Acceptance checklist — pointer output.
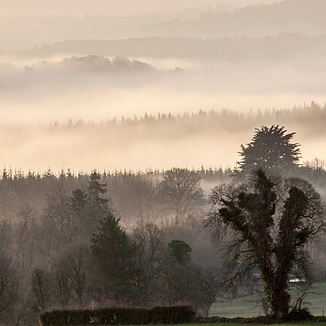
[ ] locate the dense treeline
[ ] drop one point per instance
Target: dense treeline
(63, 234)
(121, 238)
(306, 117)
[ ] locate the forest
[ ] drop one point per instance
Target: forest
(58, 230)
(138, 160)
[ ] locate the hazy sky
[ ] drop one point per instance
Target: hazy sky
(37, 89)
(107, 7)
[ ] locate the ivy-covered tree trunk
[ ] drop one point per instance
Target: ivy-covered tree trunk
(272, 222)
(280, 298)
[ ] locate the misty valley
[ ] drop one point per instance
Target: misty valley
(162, 162)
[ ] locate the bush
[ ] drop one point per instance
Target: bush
(65, 317)
(172, 315)
(119, 316)
(299, 315)
(116, 316)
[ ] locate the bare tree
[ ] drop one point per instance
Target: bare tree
(180, 192)
(78, 262)
(61, 281)
(41, 284)
(134, 197)
(25, 239)
(9, 279)
(149, 259)
(56, 221)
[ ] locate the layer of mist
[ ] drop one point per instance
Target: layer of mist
(161, 142)
(95, 67)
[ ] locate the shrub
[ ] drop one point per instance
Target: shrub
(119, 316)
(172, 315)
(299, 315)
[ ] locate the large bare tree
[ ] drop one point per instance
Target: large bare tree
(181, 192)
(272, 220)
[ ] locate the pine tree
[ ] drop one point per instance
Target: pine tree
(115, 255)
(271, 150)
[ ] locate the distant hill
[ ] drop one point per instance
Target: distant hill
(238, 49)
(289, 16)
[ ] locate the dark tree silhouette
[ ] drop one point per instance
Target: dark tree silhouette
(180, 251)
(9, 283)
(96, 190)
(270, 149)
(41, 287)
(115, 255)
(272, 220)
(88, 208)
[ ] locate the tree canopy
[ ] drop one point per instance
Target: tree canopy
(272, 220)
(270, 149)
(180, 190)
(115, 254)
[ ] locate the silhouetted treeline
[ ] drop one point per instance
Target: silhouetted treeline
(308, 119)
(57, 232)
(90, 240)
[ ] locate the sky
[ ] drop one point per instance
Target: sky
(39, 88)
(107, 7)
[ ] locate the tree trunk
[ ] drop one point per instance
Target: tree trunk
(280, 300)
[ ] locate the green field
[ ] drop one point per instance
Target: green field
(244, 324)
(239, 324)
(315, 301)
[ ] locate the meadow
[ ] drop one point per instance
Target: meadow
(250, 306)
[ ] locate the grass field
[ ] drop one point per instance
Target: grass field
(250, 306)
(243, 324)
(239, 324)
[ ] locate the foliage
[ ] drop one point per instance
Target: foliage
(96, 205)
(115, 255)
(119, 316)
(180, 251)
(270, 149)
(172, 315)
(185, 282)
(272, 222)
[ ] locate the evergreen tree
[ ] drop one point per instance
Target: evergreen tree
(180, 251)
(115, 255)
(271, 150)
(96, 190)
(88, 208)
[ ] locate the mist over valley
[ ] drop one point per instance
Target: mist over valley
(160, 154)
